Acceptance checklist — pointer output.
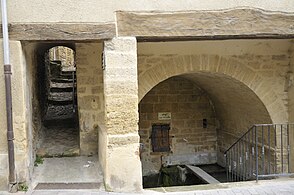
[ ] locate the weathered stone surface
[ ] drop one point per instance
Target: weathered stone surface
(121, 117)
(115, 176)
(90, 94)
(222, 24)
(123, 139)
(121, 98)
(235, 74)
(198, 158)
(290, 88)
(187, 135)
(61, 31)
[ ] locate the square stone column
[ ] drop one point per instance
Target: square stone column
(121, 164)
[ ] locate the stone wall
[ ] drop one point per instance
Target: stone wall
(90, 94)
(290, 83)
(188, 105)
(290, 89)
(64, 54)
(244, 79)
(32, 96)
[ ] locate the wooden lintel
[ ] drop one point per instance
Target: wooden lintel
(205, 25)
(61, 31)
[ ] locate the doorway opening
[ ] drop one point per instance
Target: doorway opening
(58, 102)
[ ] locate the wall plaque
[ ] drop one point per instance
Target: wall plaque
(164, 116)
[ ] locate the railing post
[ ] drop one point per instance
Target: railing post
(256, 154)
(227, 170)
(240, 156)
(73, 92)
(282, 150)
(269, 149)
(288, 148)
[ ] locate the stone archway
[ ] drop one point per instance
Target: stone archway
(241, 94)
(214, 64)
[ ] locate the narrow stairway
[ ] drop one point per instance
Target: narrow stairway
(60, 121)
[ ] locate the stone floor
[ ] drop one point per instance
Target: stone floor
(284, 186)
(59, 141)
(67, 170)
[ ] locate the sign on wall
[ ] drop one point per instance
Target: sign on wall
(164, 116)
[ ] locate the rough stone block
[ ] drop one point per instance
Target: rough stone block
(115, 177)
(121, 44)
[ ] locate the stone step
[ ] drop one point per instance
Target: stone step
(60, 96)
(68, 69)
(67, 122)
(59, 111)
(66, 186)
(57, 89)
(62, 80)
(59, 103)
(67, 74)
(60, 76)
(60, 85)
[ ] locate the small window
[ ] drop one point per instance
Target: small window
(160, 138)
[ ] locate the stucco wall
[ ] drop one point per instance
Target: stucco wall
(33, 109)
(90, 94)
(103, 11)
(188, 105)
(20, 123)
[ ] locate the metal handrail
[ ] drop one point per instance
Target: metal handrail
(262, 151)
(239, 139)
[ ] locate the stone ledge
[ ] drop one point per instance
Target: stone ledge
(124, 139)
(195, 158)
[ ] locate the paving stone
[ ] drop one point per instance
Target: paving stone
(59, 141)
(278, 187)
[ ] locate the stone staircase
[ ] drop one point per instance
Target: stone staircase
(61, 101)
(60, 135)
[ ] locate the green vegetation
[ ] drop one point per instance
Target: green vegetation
(39, 160)
(23, 187)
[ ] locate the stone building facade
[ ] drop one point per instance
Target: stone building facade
(214, 68)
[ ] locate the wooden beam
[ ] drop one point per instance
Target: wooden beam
(203, 25)
(61, 31)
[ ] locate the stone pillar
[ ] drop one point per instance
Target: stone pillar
(122, 168)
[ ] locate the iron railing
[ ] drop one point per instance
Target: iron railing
(262, 152)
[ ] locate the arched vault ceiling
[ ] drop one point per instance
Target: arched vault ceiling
(236, 106)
